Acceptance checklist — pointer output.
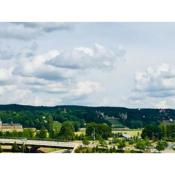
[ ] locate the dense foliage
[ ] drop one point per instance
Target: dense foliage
(97, 131)
(42, 117)
(158, 132)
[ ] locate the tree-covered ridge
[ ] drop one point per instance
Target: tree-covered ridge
(40, 116)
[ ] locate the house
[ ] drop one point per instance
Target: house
(4, 127)
(126, 136)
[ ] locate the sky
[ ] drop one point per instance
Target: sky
(93, 64)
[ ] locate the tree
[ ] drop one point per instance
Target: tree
(170, 131)
(142, 144)
(15, 147)
(77, 125)
(49, 123)
(1, 149)
(102, 142)
(153, 132)
(97, 131)
(54, 132)
(13, 134)
(23, 148)
(67, 131)
(85, 141)
(56, 126)
(161, 145)
(115, 140)
(42, 134)
(121, 144)
(28, 133)
(165, 130)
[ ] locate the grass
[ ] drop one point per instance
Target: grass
(130, 132)
(115, 123)
(81, 131)
(49, 150)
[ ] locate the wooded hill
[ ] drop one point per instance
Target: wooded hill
(38, 116)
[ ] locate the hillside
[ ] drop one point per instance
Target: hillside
(34, 116)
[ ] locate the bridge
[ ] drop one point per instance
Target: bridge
(38, 143)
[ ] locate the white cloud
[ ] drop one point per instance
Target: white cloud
(85, 88)
(45, 26)
(156, 82)
(37, 67)
(155, 86)
(36, 80)
(54, 77)
(53, 66)
(5, 76)
(6, 52)
(29, 30)
(95, 57)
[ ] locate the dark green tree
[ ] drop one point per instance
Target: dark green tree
(96, 131)
(1, 149)
(67, 131)
(28, 133)
(15, 147)
(161, 145)
(102, 142)
(23, 148)
(85, 141)
(42, 134)
(153, 132)
(49, 123)
(141, 144)
(121, 144)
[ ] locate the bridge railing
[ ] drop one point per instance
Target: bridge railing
(41, 139)
(38, 143)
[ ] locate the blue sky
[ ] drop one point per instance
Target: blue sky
(96, 64)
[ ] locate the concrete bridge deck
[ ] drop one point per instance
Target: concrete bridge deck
(38, 143)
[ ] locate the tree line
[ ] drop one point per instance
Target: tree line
(62, 131)
(164, 131)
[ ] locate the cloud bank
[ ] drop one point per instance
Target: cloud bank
(30, 30)
(156, 84)
(54, 77)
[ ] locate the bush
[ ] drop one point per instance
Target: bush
(1, 149)
(142, 144)
(161, 145)
(15, 148)
(85, 141)
(121, 144)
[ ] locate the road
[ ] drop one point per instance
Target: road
(39, 143)
(169, 148)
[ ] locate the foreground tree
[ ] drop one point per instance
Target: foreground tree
(121, 144)
(67, 131)
(97, 131)
(153, 132)
(42, 134)
(161, 145)
(85, 141)
(102, 142)
(142, 144)
(15, 147)
(1, 149)
(23, 148)
(28, 133)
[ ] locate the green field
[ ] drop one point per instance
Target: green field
(82, 131)
(49, 150)
(115, 123)
(130, 132)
